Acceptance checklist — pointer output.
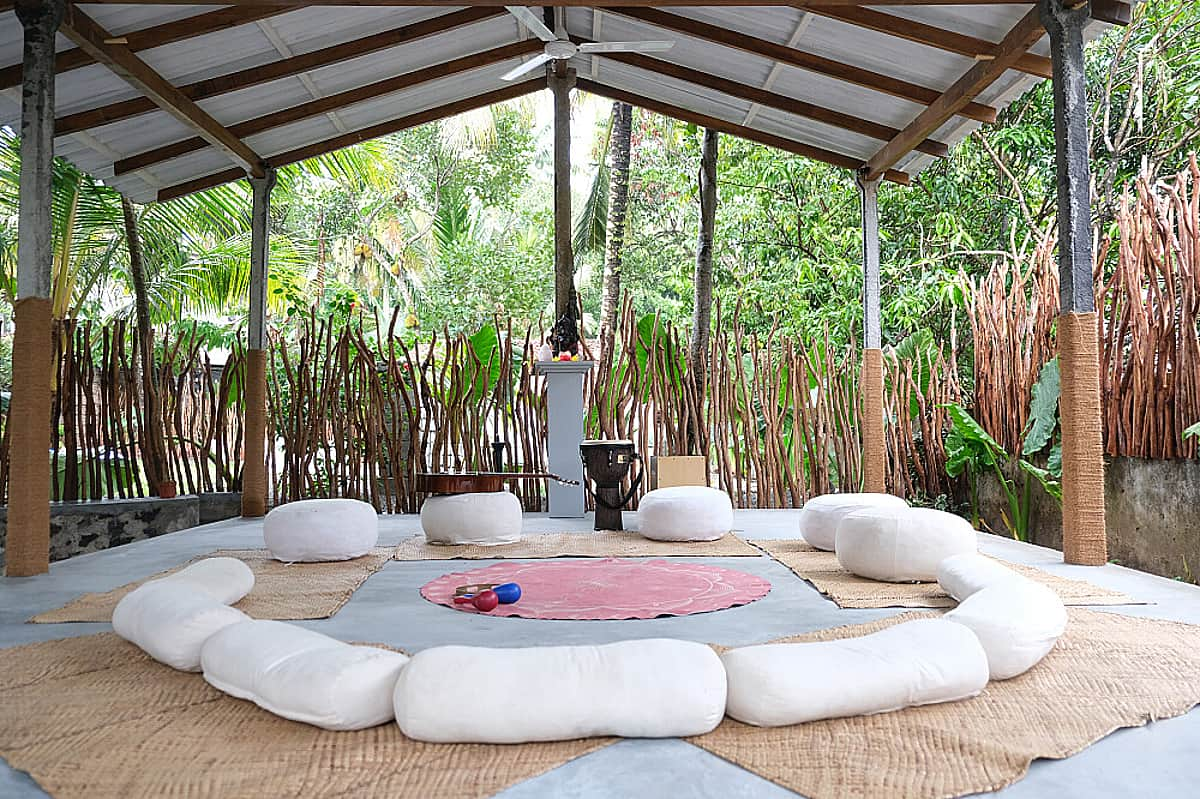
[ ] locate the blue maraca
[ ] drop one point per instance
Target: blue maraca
(508, 593)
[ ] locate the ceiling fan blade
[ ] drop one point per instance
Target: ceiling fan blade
(533, 22)
(625, 47)
(528, 66)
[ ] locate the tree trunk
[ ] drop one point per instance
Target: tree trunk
(618, 206)
(151, 445)
(702, 304)
(561, 82)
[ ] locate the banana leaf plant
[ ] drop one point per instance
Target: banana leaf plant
(970, 451)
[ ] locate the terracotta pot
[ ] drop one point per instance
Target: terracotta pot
(166, 489)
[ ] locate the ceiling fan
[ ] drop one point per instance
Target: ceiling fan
(560, 48)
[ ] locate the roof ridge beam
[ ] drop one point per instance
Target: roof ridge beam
(767, 98)
(364, 134)
(799, 58)
(333, 102)
(284, 68)
(732, 128)
(1022, 36)
(157, 36)
(89, 36)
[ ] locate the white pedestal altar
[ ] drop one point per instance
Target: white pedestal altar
(564, 432)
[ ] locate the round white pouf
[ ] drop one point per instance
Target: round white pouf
(820, 516)
(484, 519)
(685, 513)
(901, 544)
(313, 530)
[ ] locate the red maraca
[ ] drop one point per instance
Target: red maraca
(486, 600)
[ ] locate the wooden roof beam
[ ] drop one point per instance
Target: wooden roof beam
(624, 3)
(1023, 35)
(767, 98)
(157, 36)
(732, 128)
(334, 102)
(798, 58)
(284, 68)
(92, 39)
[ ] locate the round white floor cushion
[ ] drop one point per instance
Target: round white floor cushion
(484, 519)
(224, 579)
(654, 688)
(963, 575)
(1017, 622)
(820, 516)
(170, 620)
(314, 530)
(915, 663)
(685, 513)
(303, 675)
(901, 544)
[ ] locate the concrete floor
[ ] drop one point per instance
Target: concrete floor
(1162, 759)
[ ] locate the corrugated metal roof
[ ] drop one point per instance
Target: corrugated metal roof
(309, 29)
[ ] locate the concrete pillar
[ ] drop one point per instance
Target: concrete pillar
(254, 474)
(28, 545)
(1084, 537)
(561, 80)
(564, 433)
(871, 379)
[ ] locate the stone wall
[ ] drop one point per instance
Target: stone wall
(79, 527)
(1153, 515)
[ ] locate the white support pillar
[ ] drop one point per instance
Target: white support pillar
(874, 450)
(28, 544)
(254, 471)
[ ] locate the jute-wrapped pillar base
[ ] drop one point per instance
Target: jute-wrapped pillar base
(874, 443)
(28, 547)
(254, 472)
(1084, 538)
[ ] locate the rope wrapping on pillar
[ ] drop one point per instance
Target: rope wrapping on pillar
(1084, 535)
(874, 441)
(254, 473)
(28, 546)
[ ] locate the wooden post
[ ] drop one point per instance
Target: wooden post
(561, 81)
(1084, 534)
(254, 478)
(871, 378)
(28, 544)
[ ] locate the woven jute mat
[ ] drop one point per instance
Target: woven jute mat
(606, 544)
(94, 718)
(851, 591)
(281, 590)
(1107, 672)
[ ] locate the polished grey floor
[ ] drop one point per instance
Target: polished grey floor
(1161, 760)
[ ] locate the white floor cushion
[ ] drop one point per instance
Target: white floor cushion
(170, 620)
(685, 513)
(1017, 622)
(901, 544)
(303, 675)
(487, 518)
(314, 530)
(820, 516)
(963, 575)
(915, 663)
(655, 688)
(226, 580)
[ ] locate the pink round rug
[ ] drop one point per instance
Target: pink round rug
(611, 588)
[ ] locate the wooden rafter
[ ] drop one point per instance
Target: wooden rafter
(93, 39)
(334, 102)
(1116, 13)
(767, 98)
(930, 35)
(283, 68)
(732, 128)
(798, 58)
(1023, 35)
(157, 36)
(358, 136)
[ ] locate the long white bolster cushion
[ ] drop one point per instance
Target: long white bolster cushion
(963, 575)
(654, 688)
(820, 516)
(486, 518)
(685, 513)
(915, 663)
(224, 579)
(1017, 622)
(303, 675)
(901, 544)
(314, 530)
(170, 620)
